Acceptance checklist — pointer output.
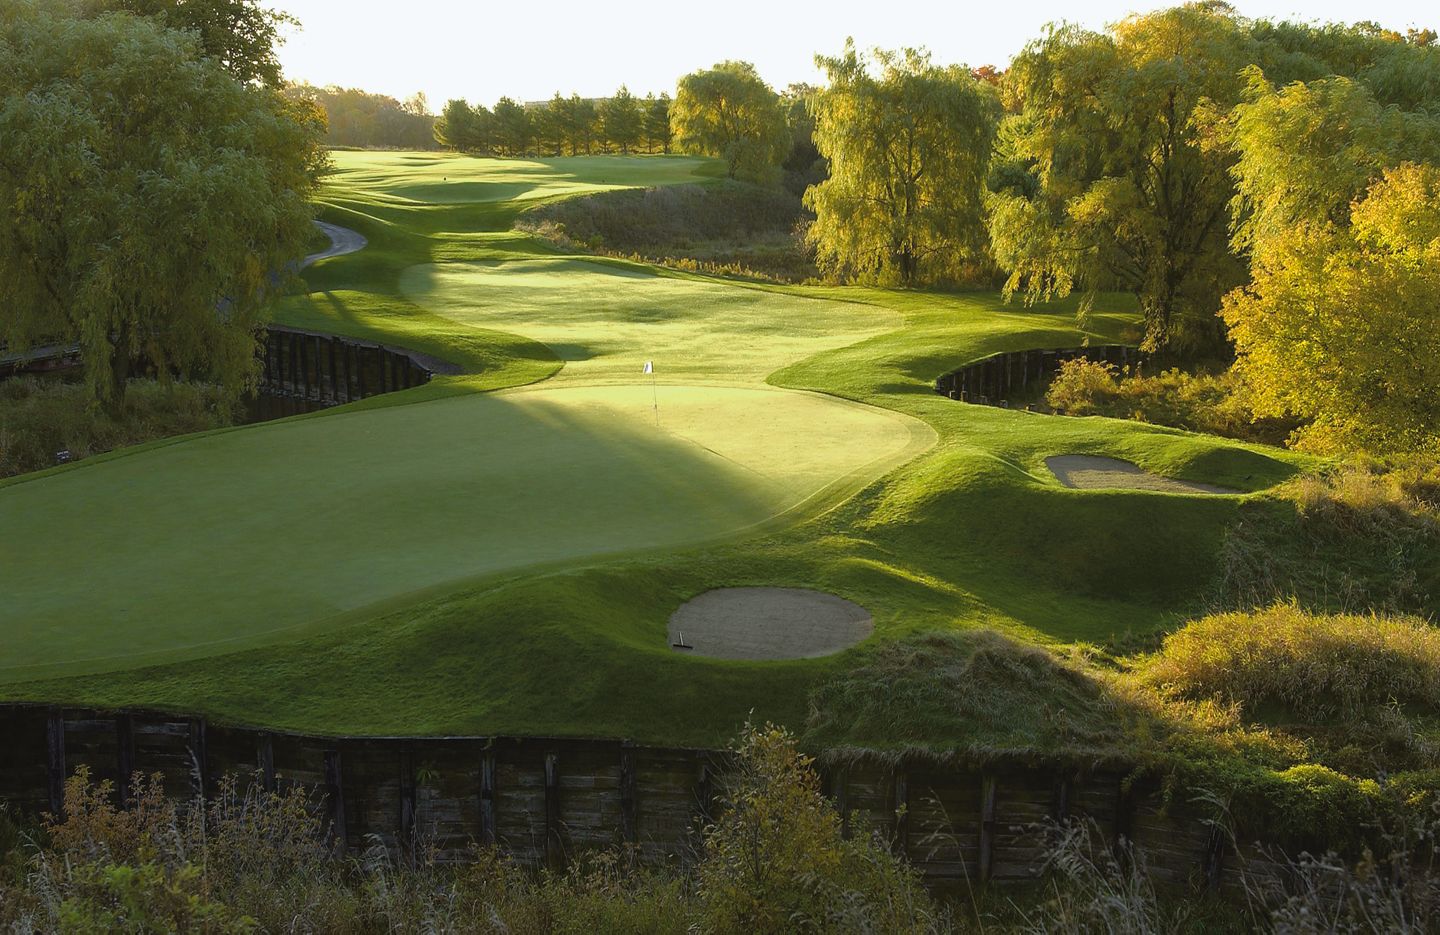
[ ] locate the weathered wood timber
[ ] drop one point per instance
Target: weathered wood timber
(546, 800)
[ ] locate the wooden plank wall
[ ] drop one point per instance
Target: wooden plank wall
(1003, 379)
(544, 801)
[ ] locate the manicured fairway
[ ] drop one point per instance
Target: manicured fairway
(606, 320)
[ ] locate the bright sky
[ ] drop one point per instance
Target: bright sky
(483, 50)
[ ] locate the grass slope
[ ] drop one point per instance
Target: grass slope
(971, 531)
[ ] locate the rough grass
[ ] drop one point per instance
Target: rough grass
(728, 228)
(1313, 666)
(976, 694)
(1353, 537)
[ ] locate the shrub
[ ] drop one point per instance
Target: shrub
(775, 860)
(41, 417)
(1212, 403)
(1315, 666)
(246, 861)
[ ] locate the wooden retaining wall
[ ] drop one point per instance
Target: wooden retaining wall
(543, 800)
(998, 379)
(331, 370)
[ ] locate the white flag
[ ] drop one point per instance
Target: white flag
(649, 366)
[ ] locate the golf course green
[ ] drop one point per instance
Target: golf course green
(499, 551)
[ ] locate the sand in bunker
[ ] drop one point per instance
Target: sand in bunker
(1087, 472)
(768, 623)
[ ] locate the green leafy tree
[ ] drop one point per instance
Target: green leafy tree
(1307, 151)
(1336, 205)
(1123, 178)
(552, 125)
(622, 120)
(240, 34)
(804, 166)
(143, 226)
(358, 118)
(908, 151)
(728, 111)
(657, 123)
(1341, 324)
(513, 130)
(581, 125)
(458, 127)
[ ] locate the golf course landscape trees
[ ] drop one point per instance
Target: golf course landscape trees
(908, 151)
(1125, 179)
(730, 112)
(241, 35)
(623, 120)
(143, 227)
(1341, 323)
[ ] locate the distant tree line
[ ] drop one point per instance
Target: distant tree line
(561, 126)
(361, 119)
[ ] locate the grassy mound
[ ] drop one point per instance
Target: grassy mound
(975, 693)
(1354, 537)
(1313, 667)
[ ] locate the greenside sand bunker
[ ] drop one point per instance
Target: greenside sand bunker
(297, 524)
(768, 623)
(1089, 472)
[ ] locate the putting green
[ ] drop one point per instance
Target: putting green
(605, 320)
(237, 537)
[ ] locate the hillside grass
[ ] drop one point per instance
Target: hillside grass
(970, 533)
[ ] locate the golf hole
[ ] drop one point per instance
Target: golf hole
(767, 623)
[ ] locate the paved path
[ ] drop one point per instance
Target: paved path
(342, 241)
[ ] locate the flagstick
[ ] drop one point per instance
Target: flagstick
(655, 397)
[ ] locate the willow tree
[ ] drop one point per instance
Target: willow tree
(730, 112)
(152, 199)
(908, 150)
(1118, 139)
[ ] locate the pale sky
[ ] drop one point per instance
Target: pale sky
(483, 50)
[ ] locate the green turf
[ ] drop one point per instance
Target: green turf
(390, 535)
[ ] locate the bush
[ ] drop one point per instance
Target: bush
(254, 861)
(776, 861)
(1314, 666)
(1211, 403)
(41, 417)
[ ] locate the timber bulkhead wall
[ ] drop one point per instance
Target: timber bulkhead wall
(332, 370)
(543, 800)
(1000, 378)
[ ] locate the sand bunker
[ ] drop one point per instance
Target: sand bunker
(1087, 472)
(767, 623)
